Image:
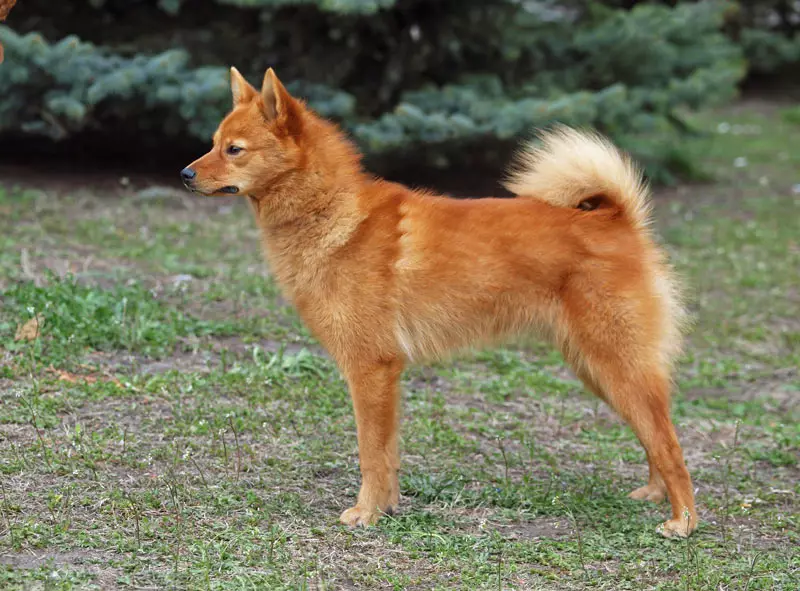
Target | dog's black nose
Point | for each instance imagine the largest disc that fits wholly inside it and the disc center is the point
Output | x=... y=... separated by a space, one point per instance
x=188 y=174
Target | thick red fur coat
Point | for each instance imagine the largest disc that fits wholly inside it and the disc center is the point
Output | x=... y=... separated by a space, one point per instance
x=384 y=275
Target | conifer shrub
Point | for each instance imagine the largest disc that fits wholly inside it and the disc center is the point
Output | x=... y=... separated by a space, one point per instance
x=410 y=79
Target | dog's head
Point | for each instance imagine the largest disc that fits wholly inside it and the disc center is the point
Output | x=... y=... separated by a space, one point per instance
x=256 y=143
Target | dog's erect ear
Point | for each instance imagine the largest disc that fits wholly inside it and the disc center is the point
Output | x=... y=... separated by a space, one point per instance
x=241 y=89
x=279 y=105
x=274 y=95
x=276 y=98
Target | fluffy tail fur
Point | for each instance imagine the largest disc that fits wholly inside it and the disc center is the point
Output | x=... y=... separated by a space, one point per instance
x=569 y=168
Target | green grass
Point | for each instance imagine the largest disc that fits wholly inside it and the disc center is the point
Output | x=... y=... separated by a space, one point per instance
x=175 y=426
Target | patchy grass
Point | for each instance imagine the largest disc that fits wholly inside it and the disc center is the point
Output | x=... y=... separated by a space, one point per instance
x=174 y=426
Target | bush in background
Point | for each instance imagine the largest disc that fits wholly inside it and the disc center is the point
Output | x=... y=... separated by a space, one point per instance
x=441 y=81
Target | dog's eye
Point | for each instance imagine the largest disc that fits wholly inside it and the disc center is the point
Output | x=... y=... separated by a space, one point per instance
x=233 y=150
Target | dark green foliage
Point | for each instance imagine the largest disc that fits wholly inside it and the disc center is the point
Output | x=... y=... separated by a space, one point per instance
x=792 y=115
x=338 y=6
x=768 y=52
x=406 y=78
x=769 y=33
x=61 y=88
x=767 y=30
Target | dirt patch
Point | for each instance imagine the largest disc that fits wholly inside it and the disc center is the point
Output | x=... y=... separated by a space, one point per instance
x=35 y=559
x=129 y=363
x=16 y=434
x=86 y=561
x=88 y=265
x=426 y=379
x=531 y=529
x=239 y=346
x=541 y=527
x=202 y=356
x=774 y=389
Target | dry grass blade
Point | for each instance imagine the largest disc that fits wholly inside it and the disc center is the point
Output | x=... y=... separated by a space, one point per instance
x=72 y=378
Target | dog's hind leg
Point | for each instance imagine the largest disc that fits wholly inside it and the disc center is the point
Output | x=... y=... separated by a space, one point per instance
x=655 y=490
x=641 y=397
x=615 y=330
x=612 y=356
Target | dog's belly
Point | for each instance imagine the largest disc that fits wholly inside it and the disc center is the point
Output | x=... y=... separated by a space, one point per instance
x=430 y=327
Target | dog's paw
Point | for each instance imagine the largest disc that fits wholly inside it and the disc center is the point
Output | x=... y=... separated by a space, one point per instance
x=676 y=528
x=651 y=492
x=360 y=517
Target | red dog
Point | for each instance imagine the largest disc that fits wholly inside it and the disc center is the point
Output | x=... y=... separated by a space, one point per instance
x=384 y=275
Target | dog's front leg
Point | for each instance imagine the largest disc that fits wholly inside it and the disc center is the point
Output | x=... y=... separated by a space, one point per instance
x=375 y=389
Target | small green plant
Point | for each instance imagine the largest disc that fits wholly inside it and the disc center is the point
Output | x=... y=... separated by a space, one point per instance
x=559 y=501
x=791 y=115
x=128 y=317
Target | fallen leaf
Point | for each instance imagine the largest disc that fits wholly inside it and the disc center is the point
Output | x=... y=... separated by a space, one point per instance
x=66 y=376
x=72 y=378
x=31 y=330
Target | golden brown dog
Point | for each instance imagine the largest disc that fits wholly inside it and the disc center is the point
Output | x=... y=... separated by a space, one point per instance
x=384 y=275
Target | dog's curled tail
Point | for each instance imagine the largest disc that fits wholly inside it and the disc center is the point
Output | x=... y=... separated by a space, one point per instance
x=570 y=168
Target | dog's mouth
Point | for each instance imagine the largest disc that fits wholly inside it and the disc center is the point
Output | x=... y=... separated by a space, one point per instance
x=226 y=190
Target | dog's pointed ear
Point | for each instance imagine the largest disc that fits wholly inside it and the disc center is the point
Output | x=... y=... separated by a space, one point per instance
x=276 y=98
x=278 y=104
x=241 y=89
x=274 y=95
